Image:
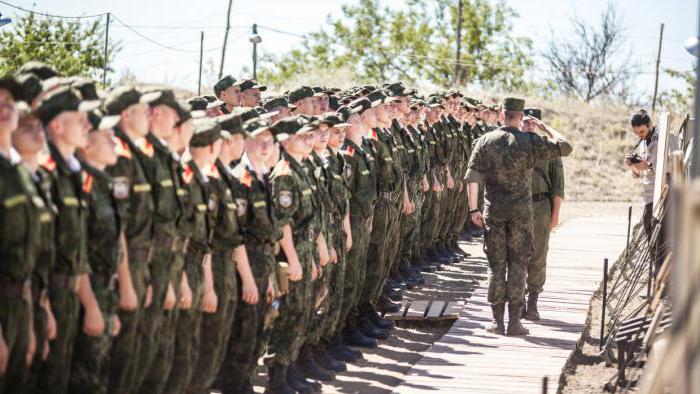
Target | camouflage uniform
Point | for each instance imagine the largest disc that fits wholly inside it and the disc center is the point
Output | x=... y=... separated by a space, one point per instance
x=503 y=160
x=294 y=205
x=434 y=200
x=462 y=153
x=90 y=372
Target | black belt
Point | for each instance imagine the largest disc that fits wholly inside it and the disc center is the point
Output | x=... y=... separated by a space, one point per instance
x=541 y=196
x=100 y=280
x=13 y=289
x=59 y=281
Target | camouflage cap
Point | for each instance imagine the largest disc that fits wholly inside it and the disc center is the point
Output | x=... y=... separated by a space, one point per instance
x=255 y=126
x=198 y=103
x=363 y=104
x=434 y=101
x=206 y=132
x=87 y=88
x=224 y=83
x=398 y=89
x=210 y=98
x=377 y=97
x=513 y=104
x=345 y=112
x=276 y=102
x=533 y=112
x=40 y=69
x=120 y=99
x=454 y=93
x=183 y=112
x=285 y=128
x=31 y=86
x=13 y=86
x=160 y=97
x=61 y=100
x=332 y=119
x=300 y=93
x=231 y=123
x=247 y=84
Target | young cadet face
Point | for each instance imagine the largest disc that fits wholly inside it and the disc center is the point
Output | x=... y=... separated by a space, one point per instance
x=322 y=136
x=299 y=144
x=100 y=148
x=213 y=112
x=71 y=128
x=233 y=147
x=261 y=147
x=8 y=112
x=316 y=103
x=136 y=117
x=183 y=134
x=163 y=120
x=336 y=137
x=527 y=124
x=369 y=117
x=231 y=96
x=29 y=139
x=324 y=103
x=251 y=98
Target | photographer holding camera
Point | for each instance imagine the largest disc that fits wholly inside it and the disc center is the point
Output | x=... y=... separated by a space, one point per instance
x=642 y=161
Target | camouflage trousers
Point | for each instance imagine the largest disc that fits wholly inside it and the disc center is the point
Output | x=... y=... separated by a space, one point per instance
x=430 y=227
x=153 y=317
x=319 y=309
x=91 y=355
x=241 y=351
x=216 y=327
x=410 y=231
x=356 y=266
x=508 y=247
x=382 y=247
x=40 y=322
x=14 y=317
x=537 y=269
x=124 y=362
x=335 y=301
x=460 y=213
x=292 y=323
x=157 y=376
x=57 y=368
x=188 y=327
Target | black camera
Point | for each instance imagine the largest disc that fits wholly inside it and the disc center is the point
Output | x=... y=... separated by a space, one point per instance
x=633 y=158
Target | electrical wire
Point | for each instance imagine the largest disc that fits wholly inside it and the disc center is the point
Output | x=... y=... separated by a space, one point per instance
x=152 y=41
x=52 y=15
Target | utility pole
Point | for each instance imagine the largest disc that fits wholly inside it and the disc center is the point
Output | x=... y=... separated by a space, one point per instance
x=658 y=62
x=459 y=41
x=223 y=49
x=255 y=39
x=104 y=61
x=201 y=54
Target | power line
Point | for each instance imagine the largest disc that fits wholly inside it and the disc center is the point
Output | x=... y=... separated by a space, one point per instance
x=52 y=15
x=281 y=31
x=152 y=41
x=180 y=27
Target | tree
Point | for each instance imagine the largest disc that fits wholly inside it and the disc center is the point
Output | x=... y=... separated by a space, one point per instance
x=679 y=99
x=583 y=66
x=416 y=42
x=72 y=47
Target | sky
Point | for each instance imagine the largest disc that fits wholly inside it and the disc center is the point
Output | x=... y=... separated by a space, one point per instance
x=169 y=53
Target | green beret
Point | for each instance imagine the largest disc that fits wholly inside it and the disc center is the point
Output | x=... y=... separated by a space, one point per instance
x=206 y=132
x=231 y=123
x=277 y=101
x=300 y=93
x=255 y=126
x=513 y=104
x=13 y=86
x=120 y=99
x=533 y=112
x=86 y=87
x=40 y=69
x=60 y=100
x=284 y=128
x=160 y=97
x=223 y=84
x=247 y=84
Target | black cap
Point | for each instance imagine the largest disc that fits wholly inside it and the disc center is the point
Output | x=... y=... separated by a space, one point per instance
x=183 y=112
x=232 y=123
x=120 y=99
x=160 y=97
x=533 y=112
x=13 y=86
x=277 y=101
x=284 y=128
x=31 y=86
x=40 y=69
x=60 y=100
x=86 y=87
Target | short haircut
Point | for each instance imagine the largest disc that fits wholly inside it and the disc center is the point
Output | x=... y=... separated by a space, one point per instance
x=512 y=115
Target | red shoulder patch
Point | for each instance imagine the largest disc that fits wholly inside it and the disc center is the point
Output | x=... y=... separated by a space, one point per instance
x=122 y=148
x=187 y=174
x=145 y=146
x=48 y=163
x=246 y=179
x=212 y=172
x=373 y=134
x=349 y=152
x=87 y=182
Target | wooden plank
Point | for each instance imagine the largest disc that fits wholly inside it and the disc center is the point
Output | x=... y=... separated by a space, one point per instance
x=435 y=310
x=417 y=310
x=452 y=311
x=398 y=315
x=661 y=156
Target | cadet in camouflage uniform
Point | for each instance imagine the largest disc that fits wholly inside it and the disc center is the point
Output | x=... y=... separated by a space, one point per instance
x=227 y=91
x=258 y=228
x=295 y=210
x=547 y=196
x=64 y=118
x=135 y=204
x=19 y=222
x=90 y=371
x=204 y=149
x=503 y=160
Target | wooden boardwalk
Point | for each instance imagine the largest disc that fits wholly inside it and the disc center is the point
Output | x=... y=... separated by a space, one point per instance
x=470 y=360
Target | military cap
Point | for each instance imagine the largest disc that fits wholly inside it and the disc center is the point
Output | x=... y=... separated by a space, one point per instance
x=434 y=101
x=344 y=112
x=332 y=119
x=13 y=86
x=120 y=99
x=224 y=83
x=277 y=101
x=101 y=122
x=417 y=104
x=255 y=126
x=60 y=100
x=284 y=128
x=198 y=103
x=398 y=89
x=31 y=86
x=40 y=69
x=183 y=112
x=363 y=104
x=334 y=102
x=247 y=84
x=86 y=87
x=300 y=93
x=454 y=93
x=533 y=112
x=210 y=98
x=206 y=132
x=231 y=123
x=160 y=97
x=497 y=107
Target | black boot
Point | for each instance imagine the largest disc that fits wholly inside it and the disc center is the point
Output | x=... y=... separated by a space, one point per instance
x=369 y=330
x=324 y=360
x=339 y=351
x=514 y=326
x=277 y=374
x=298 y=381
x=452 y=244
x=386 y=306
x=532 y=313
x=309 y=368
x=434 y=257
x=392 y=293
x=497 y=325
x=379 y=322
x=353 y=337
